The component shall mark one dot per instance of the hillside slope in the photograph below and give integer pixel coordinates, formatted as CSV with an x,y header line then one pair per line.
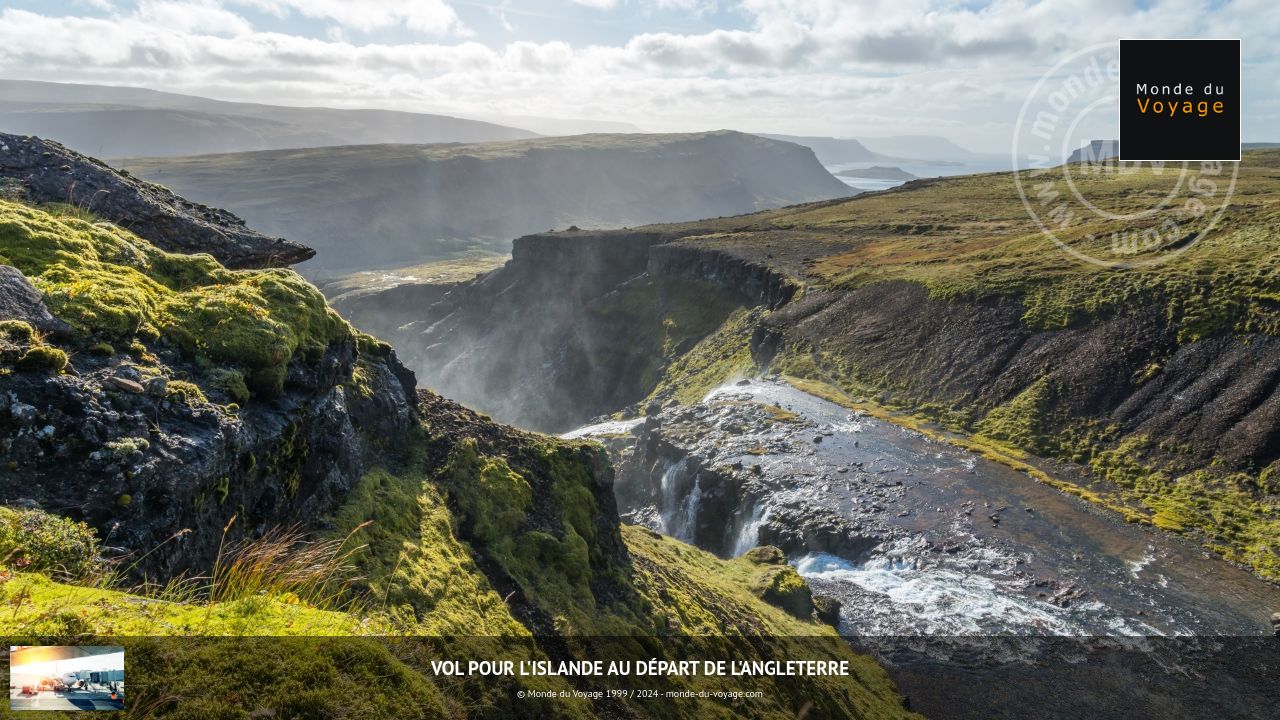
x,y
109,121
1152,391
365,207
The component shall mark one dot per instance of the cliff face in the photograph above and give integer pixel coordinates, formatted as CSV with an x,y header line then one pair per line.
x,y
576,324
388,205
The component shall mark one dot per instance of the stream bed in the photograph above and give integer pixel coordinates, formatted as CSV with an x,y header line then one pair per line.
x,y
941,559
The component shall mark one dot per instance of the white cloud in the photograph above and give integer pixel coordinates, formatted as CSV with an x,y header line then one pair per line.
x,y
426,16
597,4
800,66
192,16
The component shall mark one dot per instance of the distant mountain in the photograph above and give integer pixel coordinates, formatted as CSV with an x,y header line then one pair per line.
x,y
831,151
919,147
563,126
108,121
380,206
1096,151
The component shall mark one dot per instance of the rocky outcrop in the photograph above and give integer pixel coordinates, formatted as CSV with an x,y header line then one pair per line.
x,y
157,397
761,284
20,300
140,457
42,171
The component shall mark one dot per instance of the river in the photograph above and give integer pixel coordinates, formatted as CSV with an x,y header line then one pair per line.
x,y
920,539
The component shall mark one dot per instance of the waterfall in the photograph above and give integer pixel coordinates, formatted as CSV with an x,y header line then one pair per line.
x,y
670,491
688,528
749,534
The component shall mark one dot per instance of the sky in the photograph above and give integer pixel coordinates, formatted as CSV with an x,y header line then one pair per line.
x,y
110,661
807,67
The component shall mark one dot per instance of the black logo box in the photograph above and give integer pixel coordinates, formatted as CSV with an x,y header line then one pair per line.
x,y
1180,65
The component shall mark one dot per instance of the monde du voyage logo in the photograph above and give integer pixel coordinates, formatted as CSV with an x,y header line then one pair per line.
x,y
1163,184
1180,100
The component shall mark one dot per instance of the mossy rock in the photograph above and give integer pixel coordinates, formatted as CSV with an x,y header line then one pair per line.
x,y
784,588
17,331
112,286
230,382
42,358
184,391
766,555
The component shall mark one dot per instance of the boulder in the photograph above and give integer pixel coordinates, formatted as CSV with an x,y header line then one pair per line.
x,y
20,300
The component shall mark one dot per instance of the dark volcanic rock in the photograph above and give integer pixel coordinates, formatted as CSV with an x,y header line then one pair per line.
x,y
141,465
48,172
20,300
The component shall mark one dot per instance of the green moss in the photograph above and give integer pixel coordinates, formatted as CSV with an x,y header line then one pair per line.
x,y
102,349
370,345
230,382
128,447
719,357
111,285
1023,420
18,331
185,392
114,613
42,358
490,496
783,587
34,540
360,383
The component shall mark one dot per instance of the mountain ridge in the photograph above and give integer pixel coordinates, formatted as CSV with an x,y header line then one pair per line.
x,y
111,121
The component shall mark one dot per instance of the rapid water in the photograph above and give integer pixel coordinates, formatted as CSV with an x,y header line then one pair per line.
x,y
968,546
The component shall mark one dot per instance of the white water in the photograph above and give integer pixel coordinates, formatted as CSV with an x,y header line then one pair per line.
x,y
612,427
749,535
689,518
670,501
936,601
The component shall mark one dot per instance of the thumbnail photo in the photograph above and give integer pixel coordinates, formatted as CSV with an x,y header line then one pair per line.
x,y
66,677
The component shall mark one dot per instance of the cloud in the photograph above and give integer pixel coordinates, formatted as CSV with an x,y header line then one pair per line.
x,y
192,16
426,16
801,66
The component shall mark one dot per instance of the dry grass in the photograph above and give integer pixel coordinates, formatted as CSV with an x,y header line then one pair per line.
x,y
284,563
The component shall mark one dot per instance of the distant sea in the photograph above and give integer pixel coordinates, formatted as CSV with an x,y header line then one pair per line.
x,y
921,169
